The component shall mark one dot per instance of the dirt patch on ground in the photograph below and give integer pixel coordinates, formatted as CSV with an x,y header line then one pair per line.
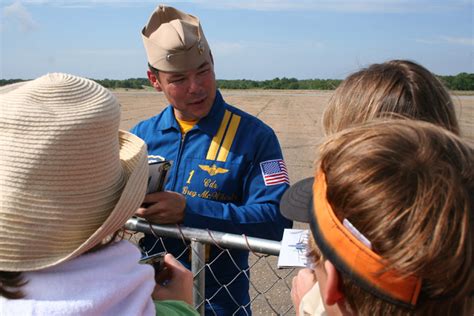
x,y
294,115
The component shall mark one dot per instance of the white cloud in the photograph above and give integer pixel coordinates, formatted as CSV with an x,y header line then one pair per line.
x,y
222,48
386,6
458,40
466,41
72,4
227,48
426,41
18,13
106,52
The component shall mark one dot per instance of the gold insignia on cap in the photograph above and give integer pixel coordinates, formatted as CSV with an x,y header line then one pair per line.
x,y
200,48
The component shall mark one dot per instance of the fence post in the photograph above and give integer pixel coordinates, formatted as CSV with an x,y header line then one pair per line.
x,y
198,262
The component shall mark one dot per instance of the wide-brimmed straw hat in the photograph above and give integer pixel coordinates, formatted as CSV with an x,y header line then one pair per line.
x,y
174,41
68,177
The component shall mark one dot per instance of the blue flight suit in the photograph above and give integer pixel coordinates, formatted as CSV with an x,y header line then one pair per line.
x,y
217,167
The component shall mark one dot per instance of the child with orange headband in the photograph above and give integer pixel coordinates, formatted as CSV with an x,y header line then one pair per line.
x,y
390,213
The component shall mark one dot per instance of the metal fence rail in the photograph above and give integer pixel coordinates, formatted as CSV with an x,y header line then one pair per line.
x,y
269,286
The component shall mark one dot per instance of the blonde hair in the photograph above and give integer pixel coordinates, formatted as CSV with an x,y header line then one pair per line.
x,y
397,88
408,187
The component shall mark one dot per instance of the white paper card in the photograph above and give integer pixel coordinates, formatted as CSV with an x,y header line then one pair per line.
x,y
293,248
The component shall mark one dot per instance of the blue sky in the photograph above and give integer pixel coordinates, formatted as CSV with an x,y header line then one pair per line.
x,y
250,39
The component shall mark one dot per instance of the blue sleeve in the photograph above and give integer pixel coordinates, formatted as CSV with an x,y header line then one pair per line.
x,y
136,129
259,214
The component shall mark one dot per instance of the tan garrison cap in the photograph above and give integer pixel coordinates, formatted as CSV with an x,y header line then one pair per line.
x,y
174,41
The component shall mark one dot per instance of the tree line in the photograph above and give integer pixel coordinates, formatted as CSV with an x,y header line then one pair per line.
x,y
462,81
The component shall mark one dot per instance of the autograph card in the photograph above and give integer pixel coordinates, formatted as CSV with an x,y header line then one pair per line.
x,y
293,248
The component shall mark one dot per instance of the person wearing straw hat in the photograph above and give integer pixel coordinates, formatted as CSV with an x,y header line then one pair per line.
x,y
228,172
390,211
69,180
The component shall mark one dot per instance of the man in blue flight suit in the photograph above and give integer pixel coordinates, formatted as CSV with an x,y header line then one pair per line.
x,y
227,173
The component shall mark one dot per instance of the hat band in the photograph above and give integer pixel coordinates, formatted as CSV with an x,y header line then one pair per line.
x,y
353,258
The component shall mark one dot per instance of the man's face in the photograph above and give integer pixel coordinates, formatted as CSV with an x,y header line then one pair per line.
x,y
191,93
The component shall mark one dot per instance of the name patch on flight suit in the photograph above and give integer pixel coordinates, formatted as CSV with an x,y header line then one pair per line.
x,y
205,184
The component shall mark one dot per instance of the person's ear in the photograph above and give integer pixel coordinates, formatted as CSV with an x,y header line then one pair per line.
x,y
333,291
155,83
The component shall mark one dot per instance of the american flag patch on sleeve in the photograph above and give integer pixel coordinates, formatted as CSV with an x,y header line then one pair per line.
x,y
274,172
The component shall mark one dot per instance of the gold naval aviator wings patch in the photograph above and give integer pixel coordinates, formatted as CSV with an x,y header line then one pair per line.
x,y
213,170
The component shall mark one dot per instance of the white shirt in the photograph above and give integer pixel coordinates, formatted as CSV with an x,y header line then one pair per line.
x,y
107,282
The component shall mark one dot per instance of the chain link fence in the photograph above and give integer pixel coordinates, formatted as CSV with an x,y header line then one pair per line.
x,y
269,286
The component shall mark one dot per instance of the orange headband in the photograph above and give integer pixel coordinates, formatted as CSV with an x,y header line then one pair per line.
x,y
355,259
